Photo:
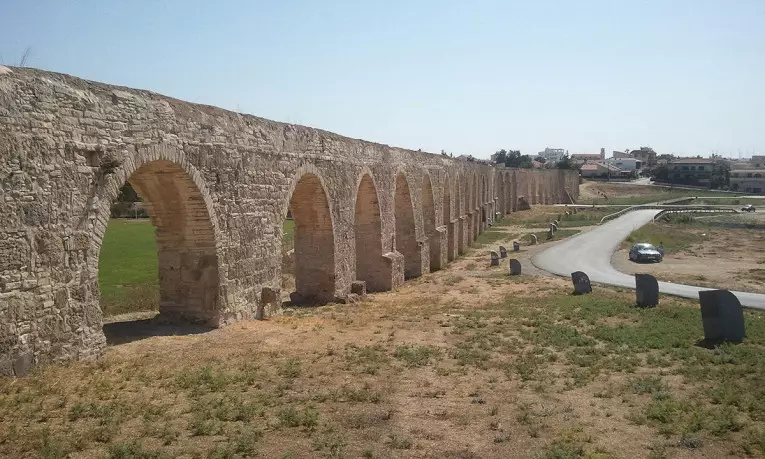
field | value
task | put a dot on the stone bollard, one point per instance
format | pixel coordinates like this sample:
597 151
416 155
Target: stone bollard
722 316
581 282
516 247
646 290
550 233
494 258
502 252
534 239
515 267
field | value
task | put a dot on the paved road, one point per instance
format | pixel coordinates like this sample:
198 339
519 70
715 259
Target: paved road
591 252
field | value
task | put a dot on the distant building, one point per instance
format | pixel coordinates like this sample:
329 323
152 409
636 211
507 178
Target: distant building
620 154
691 171
749 177
630 165
584 157
552 154
597 169
646 155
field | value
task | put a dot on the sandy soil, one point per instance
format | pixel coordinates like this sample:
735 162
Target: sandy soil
732 259
596 190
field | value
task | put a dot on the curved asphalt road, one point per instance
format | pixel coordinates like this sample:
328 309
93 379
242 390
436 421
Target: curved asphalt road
591 252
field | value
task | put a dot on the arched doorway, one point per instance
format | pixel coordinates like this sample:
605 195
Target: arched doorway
502 195
314 258
370 266
447 218
186 286
460 205
470 208
406 238
429 222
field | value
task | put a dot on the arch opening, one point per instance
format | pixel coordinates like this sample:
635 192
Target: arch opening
461 206
447 219
158 252
406 238
314 243
429 223
370 266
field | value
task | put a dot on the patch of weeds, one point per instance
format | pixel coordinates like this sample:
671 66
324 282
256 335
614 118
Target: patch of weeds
527 366
753 441
560 449
132 451
397 442
368 358
691 441
416 355
452 279
466 355
646 385
331 444
290 368
291 417
51 448
471 266
204 379
202 427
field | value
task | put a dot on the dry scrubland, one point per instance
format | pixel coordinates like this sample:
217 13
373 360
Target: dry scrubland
628 194
467 362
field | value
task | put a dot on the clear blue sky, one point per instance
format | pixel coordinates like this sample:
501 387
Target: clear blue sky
683 76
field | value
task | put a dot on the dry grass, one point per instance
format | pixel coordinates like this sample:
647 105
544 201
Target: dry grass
451 365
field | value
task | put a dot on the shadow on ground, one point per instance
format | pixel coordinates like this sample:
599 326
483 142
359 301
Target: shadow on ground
136 330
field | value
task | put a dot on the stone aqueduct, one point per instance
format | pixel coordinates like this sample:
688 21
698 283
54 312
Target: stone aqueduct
217 185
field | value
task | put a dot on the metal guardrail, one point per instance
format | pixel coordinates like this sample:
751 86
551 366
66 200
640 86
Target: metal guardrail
696 211
671 208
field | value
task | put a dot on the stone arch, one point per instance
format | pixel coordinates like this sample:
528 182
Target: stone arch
460 205
406 235
501 194
370 265
447 217
314 238
179 204
429 223
484 203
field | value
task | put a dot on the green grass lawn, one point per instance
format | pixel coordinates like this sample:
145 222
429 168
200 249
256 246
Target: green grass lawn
127 267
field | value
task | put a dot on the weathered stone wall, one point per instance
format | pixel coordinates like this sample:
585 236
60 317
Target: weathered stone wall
217 185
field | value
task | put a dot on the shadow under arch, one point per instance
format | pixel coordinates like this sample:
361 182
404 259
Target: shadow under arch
370 264
406 237
180 208
461 207
314 240
429 223
447 217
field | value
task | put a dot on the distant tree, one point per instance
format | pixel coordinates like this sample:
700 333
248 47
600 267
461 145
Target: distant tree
660 172
565 163
540 159
500 157
720 177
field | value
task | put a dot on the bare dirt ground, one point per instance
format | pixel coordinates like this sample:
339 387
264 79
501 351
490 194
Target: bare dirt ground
597 190
467 362
729 258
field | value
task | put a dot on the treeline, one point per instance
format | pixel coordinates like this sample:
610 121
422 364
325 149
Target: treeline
128 204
